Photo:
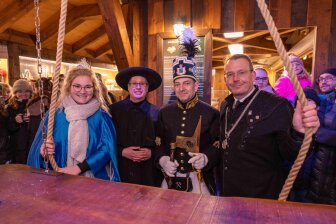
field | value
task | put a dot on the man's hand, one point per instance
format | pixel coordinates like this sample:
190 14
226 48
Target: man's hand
136 154
305 117
73 170
168 166
199 160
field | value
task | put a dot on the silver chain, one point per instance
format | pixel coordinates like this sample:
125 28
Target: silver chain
39 71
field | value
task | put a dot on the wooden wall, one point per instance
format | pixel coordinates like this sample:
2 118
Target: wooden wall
240 15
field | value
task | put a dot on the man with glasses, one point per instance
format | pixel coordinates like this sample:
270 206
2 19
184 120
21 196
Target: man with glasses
262 80
323 178
135 120
256 134
327 82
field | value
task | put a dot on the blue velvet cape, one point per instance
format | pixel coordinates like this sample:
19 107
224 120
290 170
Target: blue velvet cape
101 150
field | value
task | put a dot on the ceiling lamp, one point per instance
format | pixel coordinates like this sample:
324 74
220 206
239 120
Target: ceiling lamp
233 34
178 29
236 49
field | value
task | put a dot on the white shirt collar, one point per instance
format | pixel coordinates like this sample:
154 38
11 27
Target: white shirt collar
247 95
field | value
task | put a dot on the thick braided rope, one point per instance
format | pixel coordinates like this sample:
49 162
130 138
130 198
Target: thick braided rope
308 132
60 41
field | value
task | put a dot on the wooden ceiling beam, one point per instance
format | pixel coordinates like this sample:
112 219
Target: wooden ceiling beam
102 50
89 38
91 53
18 37
75 17
116 30
13 12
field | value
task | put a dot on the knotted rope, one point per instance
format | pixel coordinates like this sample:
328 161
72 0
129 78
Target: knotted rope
53 105
301 96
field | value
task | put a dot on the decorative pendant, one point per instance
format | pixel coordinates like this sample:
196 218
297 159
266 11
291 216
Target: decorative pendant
225 143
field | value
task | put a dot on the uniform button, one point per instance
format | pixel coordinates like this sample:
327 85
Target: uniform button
183 118
226 153
182 168
182 125
182 161
225 160
248 132
182 132
226 168
181 154
184 112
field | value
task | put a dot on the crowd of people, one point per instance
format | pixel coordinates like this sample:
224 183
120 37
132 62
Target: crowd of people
188 145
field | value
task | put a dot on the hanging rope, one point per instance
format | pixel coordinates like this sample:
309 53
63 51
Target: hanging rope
60 41
302 98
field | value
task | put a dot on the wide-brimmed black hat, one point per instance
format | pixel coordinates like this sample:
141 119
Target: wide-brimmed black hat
153 78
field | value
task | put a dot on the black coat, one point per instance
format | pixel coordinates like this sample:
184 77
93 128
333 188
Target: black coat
135 126
323 177
18 148
175 121
4 137
252 164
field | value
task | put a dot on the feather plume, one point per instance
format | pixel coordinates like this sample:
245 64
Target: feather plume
189 44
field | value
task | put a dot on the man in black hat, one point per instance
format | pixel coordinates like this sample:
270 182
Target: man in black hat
179 121
135 121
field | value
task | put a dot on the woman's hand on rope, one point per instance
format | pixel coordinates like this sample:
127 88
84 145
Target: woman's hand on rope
47 148
73 170
305 117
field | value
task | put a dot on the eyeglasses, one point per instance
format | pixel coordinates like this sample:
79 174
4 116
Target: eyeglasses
325 79
261 78
136 84
79 88
241 73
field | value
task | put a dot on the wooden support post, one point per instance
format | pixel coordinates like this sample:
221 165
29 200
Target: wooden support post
13 62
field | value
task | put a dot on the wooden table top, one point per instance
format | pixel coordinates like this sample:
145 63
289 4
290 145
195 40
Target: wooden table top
27 197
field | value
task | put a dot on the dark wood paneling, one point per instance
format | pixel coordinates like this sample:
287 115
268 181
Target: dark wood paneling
207 13
227 15
244 15
155 25
319 14
168 15
332 46
197 13
299 13
281 12
259 21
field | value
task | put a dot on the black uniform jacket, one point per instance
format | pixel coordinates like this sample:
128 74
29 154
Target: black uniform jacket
175 121
251 166
135 126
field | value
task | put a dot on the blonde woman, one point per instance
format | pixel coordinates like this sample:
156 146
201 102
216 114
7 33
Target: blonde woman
84 139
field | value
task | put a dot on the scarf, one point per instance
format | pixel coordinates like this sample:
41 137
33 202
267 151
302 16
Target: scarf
78 133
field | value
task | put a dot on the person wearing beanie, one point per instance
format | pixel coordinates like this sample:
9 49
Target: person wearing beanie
190 165
323 177
283 86
327 82
18 121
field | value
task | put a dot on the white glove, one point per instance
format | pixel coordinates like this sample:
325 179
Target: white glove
168 166
199 160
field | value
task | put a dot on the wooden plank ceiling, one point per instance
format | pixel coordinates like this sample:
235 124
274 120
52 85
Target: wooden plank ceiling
260 47
85 31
